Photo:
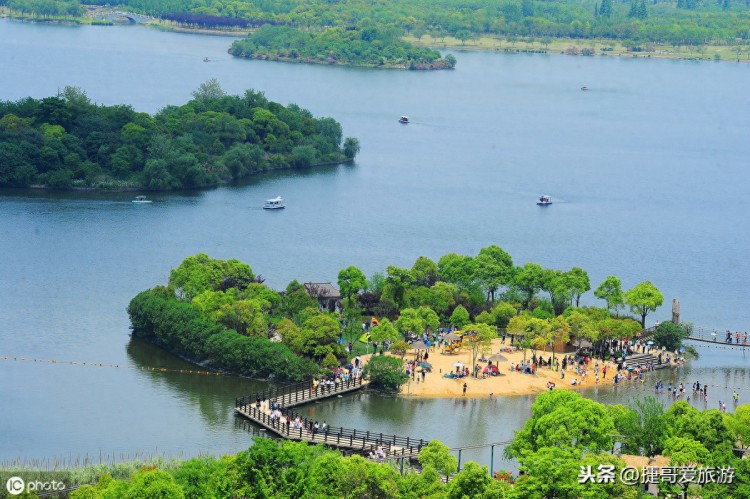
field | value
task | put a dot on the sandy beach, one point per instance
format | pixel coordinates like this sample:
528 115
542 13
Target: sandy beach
507 383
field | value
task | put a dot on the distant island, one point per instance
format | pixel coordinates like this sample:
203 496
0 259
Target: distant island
67 141
370 46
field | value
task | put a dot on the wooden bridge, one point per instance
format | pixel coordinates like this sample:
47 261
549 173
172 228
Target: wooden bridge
709 335
257 408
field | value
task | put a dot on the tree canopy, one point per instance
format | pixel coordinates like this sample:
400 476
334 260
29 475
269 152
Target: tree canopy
68 141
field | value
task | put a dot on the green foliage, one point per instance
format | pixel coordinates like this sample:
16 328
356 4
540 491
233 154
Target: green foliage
385 373
669 335
296 300
459 317
437 455
181 328
385 331
369 46
642 299
199 273
410 320
68 141
351 281
503 313
610 290
564 419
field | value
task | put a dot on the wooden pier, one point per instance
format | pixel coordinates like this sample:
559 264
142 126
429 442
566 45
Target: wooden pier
257 408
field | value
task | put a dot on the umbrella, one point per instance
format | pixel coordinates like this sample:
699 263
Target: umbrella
649 342
452 337
630 368
426 365
418 345
498 358
458 364
348 366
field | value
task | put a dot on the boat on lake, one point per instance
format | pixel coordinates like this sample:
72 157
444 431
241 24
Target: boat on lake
544 200
584 88
403 119
141 200
274 204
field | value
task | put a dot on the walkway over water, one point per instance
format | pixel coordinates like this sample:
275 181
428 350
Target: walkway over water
710 335
257 408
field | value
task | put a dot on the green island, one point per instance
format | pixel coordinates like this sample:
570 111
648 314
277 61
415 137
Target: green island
369 46
563 450
677 29
219 314
67 141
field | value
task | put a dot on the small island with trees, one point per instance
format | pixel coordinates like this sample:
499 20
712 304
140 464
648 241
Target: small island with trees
66 141
368 45
220 314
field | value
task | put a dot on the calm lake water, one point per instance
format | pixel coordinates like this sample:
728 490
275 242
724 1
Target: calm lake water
648 171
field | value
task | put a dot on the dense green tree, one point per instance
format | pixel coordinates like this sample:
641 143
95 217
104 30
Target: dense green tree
351 281
410 320
564 419
642 299
385 373
577 281
424 272
437 455
385 331
610 290
296 300
669 335
494 268
460 317
457 269
528 280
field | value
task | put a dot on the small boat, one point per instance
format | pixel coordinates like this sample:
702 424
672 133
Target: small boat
544 200
206 59
403 119
584 87
274 204
141 200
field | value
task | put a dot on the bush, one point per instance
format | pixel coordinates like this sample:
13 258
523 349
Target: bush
669 335
385 373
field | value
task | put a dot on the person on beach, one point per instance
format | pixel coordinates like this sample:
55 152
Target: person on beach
464 393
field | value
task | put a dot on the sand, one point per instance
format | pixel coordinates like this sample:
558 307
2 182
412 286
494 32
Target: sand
508 383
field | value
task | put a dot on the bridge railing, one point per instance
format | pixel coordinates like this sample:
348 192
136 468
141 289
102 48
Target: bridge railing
298 393
714 335
393 445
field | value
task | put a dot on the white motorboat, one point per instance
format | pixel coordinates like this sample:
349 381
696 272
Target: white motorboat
141 200
403 119
544 200
274 204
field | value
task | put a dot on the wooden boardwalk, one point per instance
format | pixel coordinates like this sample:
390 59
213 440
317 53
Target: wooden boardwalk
257 408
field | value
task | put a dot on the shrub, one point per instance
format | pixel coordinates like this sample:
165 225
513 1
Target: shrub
385 373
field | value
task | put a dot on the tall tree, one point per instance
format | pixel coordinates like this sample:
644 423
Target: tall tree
610 290
351 281
494 268
424 272
577 281
642 299
528 280
478 339
459 317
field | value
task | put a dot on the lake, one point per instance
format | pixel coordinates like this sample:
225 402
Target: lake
647 170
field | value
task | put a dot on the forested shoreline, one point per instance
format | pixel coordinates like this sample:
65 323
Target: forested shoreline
67 141
635 22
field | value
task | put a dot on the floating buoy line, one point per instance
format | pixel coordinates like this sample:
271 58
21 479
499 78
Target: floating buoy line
104 364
